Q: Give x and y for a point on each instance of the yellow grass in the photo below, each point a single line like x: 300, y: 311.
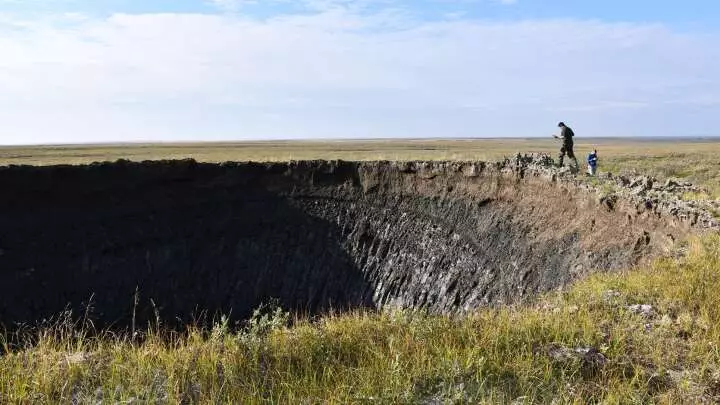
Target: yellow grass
x: 438, y: 149
x: 489, y: 356
x: 690, y: 160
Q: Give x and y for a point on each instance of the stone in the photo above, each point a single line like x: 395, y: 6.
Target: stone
x: 645, y: 310
x: 610, y: 295
x: 591, y: 358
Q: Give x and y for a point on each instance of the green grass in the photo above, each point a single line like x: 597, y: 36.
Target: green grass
x: 489, y: 356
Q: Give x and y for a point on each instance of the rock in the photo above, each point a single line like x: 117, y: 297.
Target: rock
x: 560, y: 353
x: 591, y: 358
x: 658, y: 383
x: 642, y: 309
x: 609, y: 295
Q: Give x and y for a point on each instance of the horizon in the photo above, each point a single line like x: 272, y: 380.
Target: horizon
x: 125, y: 72
x: 583, y: 140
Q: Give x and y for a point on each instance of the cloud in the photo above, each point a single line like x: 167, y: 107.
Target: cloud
x: 230, y: 5
x: 354, y: 5
x: 341, y: 73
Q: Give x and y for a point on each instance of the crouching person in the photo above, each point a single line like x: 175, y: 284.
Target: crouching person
x: 592, y: 161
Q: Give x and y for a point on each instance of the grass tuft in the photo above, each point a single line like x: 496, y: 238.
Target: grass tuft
x: 582, y: 345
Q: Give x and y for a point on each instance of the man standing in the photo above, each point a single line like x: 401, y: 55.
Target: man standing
x: 566, y: 135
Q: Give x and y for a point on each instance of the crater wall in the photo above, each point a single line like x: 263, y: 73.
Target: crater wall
x: 187, y: 238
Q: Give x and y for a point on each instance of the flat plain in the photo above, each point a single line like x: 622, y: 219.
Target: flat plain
x: 695, y: 160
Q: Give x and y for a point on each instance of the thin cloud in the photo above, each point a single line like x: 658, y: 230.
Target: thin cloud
x: 230, y: 5
x: 335, y: 73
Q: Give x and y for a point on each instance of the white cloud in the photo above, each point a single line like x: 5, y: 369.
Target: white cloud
x: 354, y: 5
x: 231, y: 5
x: 340, y: 73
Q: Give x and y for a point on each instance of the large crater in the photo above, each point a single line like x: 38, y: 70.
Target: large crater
x: 205, y: 238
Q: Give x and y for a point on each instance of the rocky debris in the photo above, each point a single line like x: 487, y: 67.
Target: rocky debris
x: 645, y: 310
x: 659, y: 382
x: 591, y: 358
x: 641, y: 184
x: 608, y: 201
x: 646, y: 193
x: 610, y: 295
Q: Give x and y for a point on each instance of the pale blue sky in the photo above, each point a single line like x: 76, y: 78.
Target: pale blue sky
x: 672, y: 12
x: 130, y: 70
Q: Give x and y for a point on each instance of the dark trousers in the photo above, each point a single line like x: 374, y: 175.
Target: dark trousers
x: 567, y: 148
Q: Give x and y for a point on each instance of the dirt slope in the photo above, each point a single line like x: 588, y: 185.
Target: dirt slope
x: 446, y: 236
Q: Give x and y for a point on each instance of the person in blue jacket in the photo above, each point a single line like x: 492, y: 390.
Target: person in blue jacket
x: 592, y: 161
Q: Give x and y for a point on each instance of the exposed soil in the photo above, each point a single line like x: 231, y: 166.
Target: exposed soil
x: 445, y: 236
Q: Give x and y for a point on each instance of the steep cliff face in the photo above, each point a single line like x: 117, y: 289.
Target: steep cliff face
x: 203, y: 238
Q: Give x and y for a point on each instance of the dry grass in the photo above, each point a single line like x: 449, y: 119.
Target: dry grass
x: 490, y: 356
x: 691, y: 160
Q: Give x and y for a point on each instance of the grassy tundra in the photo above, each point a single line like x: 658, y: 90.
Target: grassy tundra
x: 668, y: 352
x: 694, y: 160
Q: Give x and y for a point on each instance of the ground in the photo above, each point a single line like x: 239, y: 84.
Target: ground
x: 694, y: 160
x: 645, y: 335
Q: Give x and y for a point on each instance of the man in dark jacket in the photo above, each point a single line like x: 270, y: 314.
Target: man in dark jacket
x: 566, y: 135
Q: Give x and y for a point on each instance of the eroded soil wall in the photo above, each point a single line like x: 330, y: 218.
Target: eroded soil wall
x: 211, y: 238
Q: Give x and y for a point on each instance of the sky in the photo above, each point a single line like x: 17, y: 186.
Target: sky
x: 82, y: 71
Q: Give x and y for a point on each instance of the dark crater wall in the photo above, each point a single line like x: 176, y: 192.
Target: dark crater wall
x: 210, y: 238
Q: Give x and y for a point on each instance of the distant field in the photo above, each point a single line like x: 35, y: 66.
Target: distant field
x: 427, y: 149
x: 695, y: 160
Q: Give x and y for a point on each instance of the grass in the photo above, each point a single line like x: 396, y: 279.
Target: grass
x: 694, y: 161
x: 489, y: 356
x: 698, y: 167
x: 495, y: 355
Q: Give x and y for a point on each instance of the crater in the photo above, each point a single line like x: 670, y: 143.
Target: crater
x: 182, y: 239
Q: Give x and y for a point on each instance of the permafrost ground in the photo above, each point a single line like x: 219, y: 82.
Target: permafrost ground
x: 185, y: 239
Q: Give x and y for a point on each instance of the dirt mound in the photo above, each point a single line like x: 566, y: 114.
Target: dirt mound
x: 193, y: 238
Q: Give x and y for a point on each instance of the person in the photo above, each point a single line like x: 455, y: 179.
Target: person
x: 592, y: 160
x: 566, y: 135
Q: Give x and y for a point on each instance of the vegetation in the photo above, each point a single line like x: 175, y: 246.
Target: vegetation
x: 667, y: 353
x: 698, y: 167
x: 694, y: 161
